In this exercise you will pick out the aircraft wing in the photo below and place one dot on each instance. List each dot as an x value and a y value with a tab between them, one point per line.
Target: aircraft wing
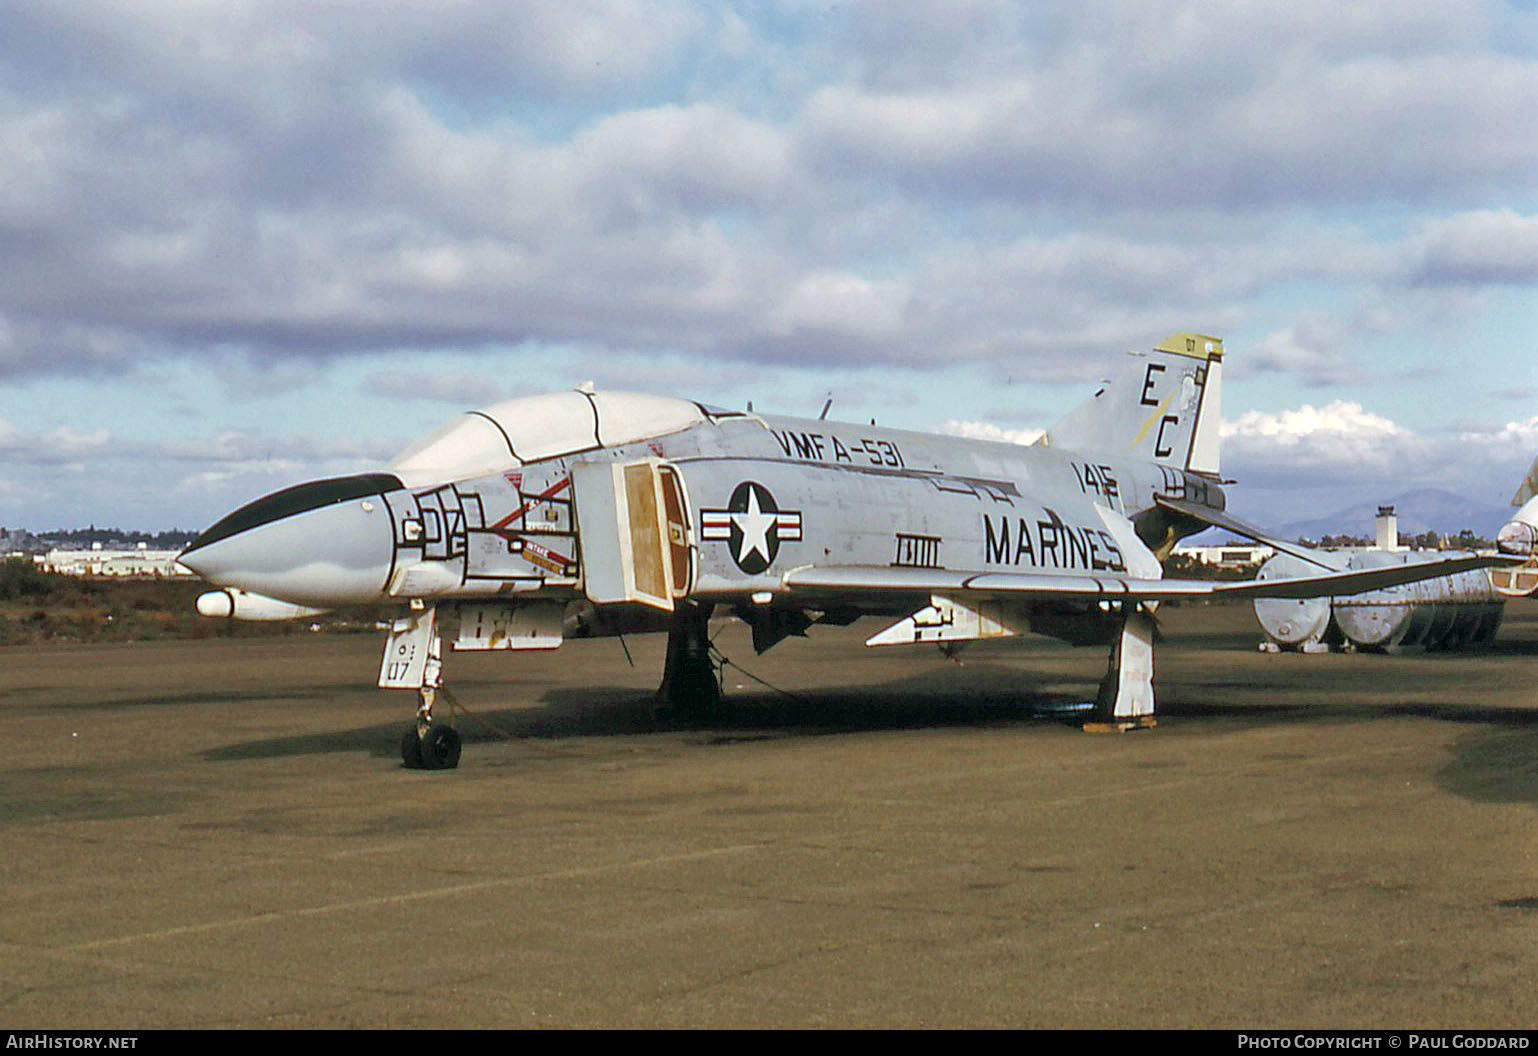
1105	586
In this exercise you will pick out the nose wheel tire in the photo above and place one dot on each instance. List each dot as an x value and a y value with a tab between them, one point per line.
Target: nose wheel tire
439	747
411	750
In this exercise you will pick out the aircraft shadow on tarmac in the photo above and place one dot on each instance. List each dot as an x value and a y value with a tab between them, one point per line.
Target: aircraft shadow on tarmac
197	699
1337	711
754	712
1004	696
1495	762
1513	647
1488	765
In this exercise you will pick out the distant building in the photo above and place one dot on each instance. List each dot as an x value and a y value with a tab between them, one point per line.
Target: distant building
1387	530
1229	555
140	562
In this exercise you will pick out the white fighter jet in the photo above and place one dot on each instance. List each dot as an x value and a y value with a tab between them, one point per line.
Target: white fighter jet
1519	537
590	513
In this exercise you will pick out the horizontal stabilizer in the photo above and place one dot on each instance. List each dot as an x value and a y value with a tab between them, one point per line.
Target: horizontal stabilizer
1356	581
1228	522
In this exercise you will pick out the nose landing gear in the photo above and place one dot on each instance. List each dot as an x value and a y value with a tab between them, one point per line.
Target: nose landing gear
413	660
430	745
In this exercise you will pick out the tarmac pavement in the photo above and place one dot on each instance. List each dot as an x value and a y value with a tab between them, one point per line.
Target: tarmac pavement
220	834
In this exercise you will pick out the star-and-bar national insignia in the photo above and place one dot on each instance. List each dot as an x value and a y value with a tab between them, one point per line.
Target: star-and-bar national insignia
752	525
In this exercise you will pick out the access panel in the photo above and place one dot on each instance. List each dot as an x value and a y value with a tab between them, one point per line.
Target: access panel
633	532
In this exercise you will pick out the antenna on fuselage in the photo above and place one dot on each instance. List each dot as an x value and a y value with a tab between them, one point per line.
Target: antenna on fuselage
825	408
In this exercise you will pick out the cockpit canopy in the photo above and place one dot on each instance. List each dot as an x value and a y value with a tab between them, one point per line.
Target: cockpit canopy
530	428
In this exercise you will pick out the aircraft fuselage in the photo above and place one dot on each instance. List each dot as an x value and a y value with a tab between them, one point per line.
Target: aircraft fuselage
760	495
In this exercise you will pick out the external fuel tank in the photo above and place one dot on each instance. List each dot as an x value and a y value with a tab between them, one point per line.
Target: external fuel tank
1450	612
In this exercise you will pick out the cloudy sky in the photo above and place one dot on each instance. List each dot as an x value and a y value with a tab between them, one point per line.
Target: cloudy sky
249	242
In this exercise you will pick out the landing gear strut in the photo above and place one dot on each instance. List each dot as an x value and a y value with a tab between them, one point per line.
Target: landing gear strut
413	659
1126	700
689	687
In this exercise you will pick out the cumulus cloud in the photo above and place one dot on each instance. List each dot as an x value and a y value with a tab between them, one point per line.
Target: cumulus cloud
1319	356
270	176
464	388
266	188
841	303
1291	428
972	430
1498	246
1131	104
244	377
1528	393
94	476
61	445
1342	447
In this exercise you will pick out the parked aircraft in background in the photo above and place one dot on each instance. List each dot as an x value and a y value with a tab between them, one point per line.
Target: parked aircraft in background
590	513
1519	536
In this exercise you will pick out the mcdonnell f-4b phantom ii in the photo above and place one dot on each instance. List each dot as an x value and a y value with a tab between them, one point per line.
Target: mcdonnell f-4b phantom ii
591	513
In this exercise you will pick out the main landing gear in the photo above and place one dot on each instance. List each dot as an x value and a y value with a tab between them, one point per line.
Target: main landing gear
1126	700
690	688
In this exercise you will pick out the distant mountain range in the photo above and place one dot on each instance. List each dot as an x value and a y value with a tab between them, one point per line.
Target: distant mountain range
1424	510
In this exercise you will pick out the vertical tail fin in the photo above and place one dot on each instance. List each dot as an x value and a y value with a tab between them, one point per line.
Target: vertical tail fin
1528	488
1163	408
